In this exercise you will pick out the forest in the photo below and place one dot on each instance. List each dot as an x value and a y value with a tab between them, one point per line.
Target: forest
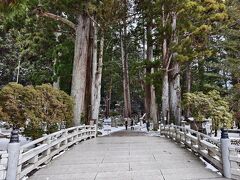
168	59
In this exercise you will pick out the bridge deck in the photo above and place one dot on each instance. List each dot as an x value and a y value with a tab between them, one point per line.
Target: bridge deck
126	157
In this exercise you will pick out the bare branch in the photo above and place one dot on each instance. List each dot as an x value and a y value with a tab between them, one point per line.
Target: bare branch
58	18
94	21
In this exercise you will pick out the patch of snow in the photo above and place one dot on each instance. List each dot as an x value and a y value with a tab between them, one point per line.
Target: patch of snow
4	142
112	130
216	157
154	134
195	146
24	178
40	167
204	151
209	166
191	119
143	128
54	157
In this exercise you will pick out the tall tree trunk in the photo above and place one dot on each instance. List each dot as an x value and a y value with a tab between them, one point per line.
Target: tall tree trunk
18	70
175	89
146	85
165	98
153	107
188	84
124	55
201	71
147	72
108	100
175	94
189	77
80	66
97	85
88	91
126	92
94	69
56	83
151	88
165	83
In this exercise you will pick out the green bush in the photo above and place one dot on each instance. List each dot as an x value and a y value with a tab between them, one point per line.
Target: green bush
34	133
210	105
31	107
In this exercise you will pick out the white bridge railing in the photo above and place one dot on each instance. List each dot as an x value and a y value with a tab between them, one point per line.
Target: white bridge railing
226	158
234	157
42	150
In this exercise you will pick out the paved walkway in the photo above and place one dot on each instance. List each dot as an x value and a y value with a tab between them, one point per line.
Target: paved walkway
127	158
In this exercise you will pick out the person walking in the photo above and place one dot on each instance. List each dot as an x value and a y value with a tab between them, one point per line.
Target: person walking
132	127
148	125
126	124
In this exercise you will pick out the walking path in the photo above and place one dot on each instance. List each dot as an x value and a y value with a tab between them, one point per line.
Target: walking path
123	157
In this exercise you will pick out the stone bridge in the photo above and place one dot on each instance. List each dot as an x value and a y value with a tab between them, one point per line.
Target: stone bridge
75	153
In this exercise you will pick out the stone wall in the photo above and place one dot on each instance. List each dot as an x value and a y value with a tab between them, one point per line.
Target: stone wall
3	164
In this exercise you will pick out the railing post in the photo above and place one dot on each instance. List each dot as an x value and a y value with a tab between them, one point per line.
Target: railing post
13	156
95	127
199	141
185	135
177	134
225	144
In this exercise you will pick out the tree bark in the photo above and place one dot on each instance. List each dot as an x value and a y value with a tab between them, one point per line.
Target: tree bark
88	91
56	83
165	83
94	68
18	70
80	66
97	85
175	94
126	90
153	107
151	89
175	89
108	100
165	98
188	85
124	55
147	72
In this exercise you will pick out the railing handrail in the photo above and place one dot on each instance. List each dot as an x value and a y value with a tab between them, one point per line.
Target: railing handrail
196	132
36	141
201	143
233	130
43	149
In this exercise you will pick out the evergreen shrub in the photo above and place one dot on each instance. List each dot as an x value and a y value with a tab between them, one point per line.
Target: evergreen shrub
39	110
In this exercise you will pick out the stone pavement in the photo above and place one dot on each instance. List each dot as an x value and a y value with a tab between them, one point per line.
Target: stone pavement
126	158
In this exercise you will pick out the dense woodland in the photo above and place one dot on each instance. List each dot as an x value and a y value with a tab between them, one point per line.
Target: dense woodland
166	58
